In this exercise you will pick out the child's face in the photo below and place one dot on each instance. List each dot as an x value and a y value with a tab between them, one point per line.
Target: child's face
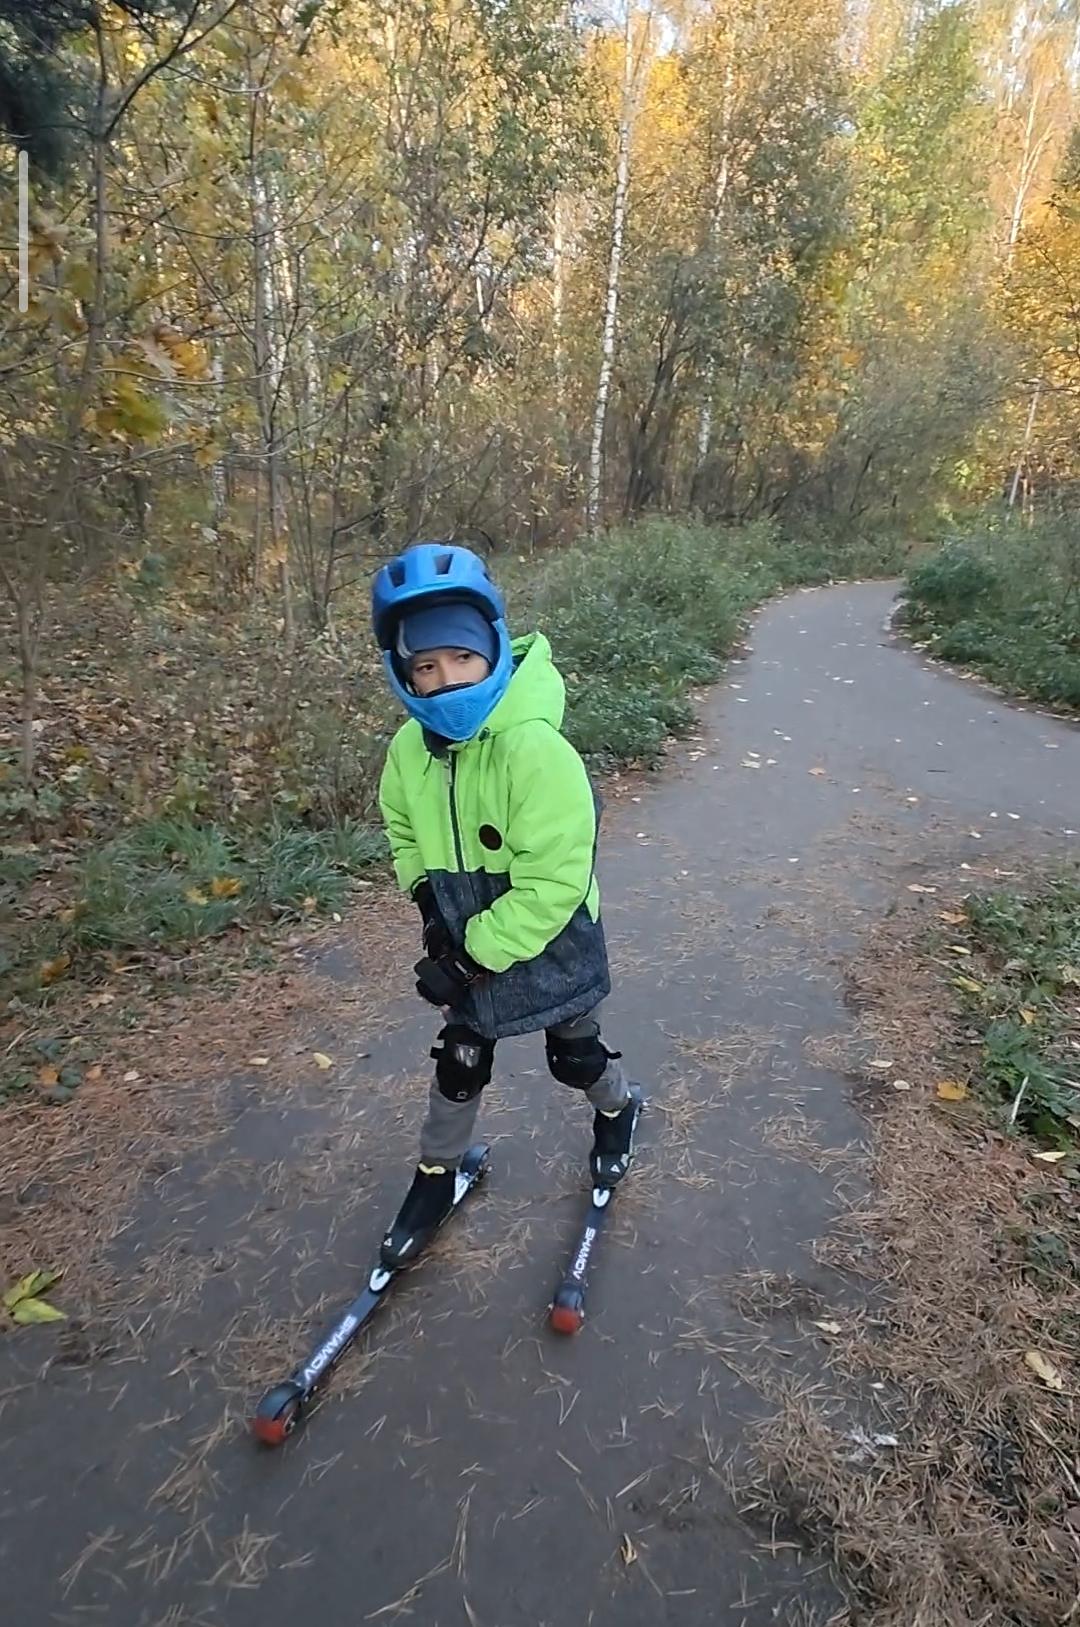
440	669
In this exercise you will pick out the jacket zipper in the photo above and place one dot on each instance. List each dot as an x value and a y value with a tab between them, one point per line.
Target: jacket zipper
459	855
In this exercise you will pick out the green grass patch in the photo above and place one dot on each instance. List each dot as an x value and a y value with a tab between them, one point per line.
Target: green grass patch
1021	990
1005	602
172	884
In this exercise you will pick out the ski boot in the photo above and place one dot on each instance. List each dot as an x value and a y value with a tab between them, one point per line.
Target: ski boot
428	1201
613	1141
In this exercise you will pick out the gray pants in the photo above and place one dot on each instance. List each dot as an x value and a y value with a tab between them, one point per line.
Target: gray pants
448	1129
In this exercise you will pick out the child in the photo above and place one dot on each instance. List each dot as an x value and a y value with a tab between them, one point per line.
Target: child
492	825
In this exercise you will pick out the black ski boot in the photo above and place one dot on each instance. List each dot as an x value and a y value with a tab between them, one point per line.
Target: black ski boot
613	1142
428	1201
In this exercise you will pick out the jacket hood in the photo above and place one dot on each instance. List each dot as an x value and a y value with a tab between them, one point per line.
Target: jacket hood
536	690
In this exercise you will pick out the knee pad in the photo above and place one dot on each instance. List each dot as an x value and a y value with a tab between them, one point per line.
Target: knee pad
578	1063
463	1061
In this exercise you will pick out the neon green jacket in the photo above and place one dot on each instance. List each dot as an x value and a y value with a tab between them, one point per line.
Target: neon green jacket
504	828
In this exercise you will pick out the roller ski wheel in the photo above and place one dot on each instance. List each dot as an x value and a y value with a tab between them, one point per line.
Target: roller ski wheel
567	1312
283	1406
277	1414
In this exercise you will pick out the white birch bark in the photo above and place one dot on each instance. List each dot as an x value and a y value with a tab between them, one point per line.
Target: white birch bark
611	301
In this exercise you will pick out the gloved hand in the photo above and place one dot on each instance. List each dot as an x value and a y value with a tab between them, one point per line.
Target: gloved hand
445	981
436	934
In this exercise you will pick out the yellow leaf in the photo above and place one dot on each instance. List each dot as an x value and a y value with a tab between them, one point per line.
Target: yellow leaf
951	1090
52	969
952	917
194	896
1027	1015
92	1075
35	1282
309	904
968	984
322	1060
28	1311
1049	1157
259	1061
1071	974
48	1076
225	886
958	949
206	456
1043	1368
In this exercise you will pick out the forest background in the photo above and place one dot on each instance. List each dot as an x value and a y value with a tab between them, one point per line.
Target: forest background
664	308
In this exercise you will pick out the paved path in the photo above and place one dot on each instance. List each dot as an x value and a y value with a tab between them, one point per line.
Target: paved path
469	1468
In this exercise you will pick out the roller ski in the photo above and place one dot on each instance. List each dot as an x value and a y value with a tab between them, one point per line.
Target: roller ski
431	1200
611	1157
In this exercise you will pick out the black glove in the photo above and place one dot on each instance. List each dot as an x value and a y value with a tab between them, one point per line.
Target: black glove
447	980
436	934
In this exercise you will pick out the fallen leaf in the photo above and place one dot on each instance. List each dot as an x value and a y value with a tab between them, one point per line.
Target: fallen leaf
750	762
958	949
952	917
131	1076
52	969
102	999
48	1076
968	984
1071	975
628	1551
901	1084
880	1064
225	886
829	1327
322	1060
1028	1015
194	896
28	1311
310	904
818	773
1044	1369
94	1074
1050	1157
951	1090
916	887
35	1282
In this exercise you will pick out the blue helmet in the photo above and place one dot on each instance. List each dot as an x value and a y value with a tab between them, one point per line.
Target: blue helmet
418	579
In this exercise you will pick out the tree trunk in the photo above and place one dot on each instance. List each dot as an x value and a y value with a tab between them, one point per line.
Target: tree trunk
558	304
1028	427
611	302
723	176
267	389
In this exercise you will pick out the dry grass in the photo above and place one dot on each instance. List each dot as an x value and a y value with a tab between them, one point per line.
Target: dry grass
973	1518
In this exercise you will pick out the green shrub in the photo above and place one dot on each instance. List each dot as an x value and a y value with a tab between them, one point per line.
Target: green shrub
953	581
1006	602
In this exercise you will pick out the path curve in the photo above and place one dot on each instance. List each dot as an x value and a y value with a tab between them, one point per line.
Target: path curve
470	1467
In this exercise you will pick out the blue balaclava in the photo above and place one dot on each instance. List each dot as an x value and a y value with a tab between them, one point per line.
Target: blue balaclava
446	626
